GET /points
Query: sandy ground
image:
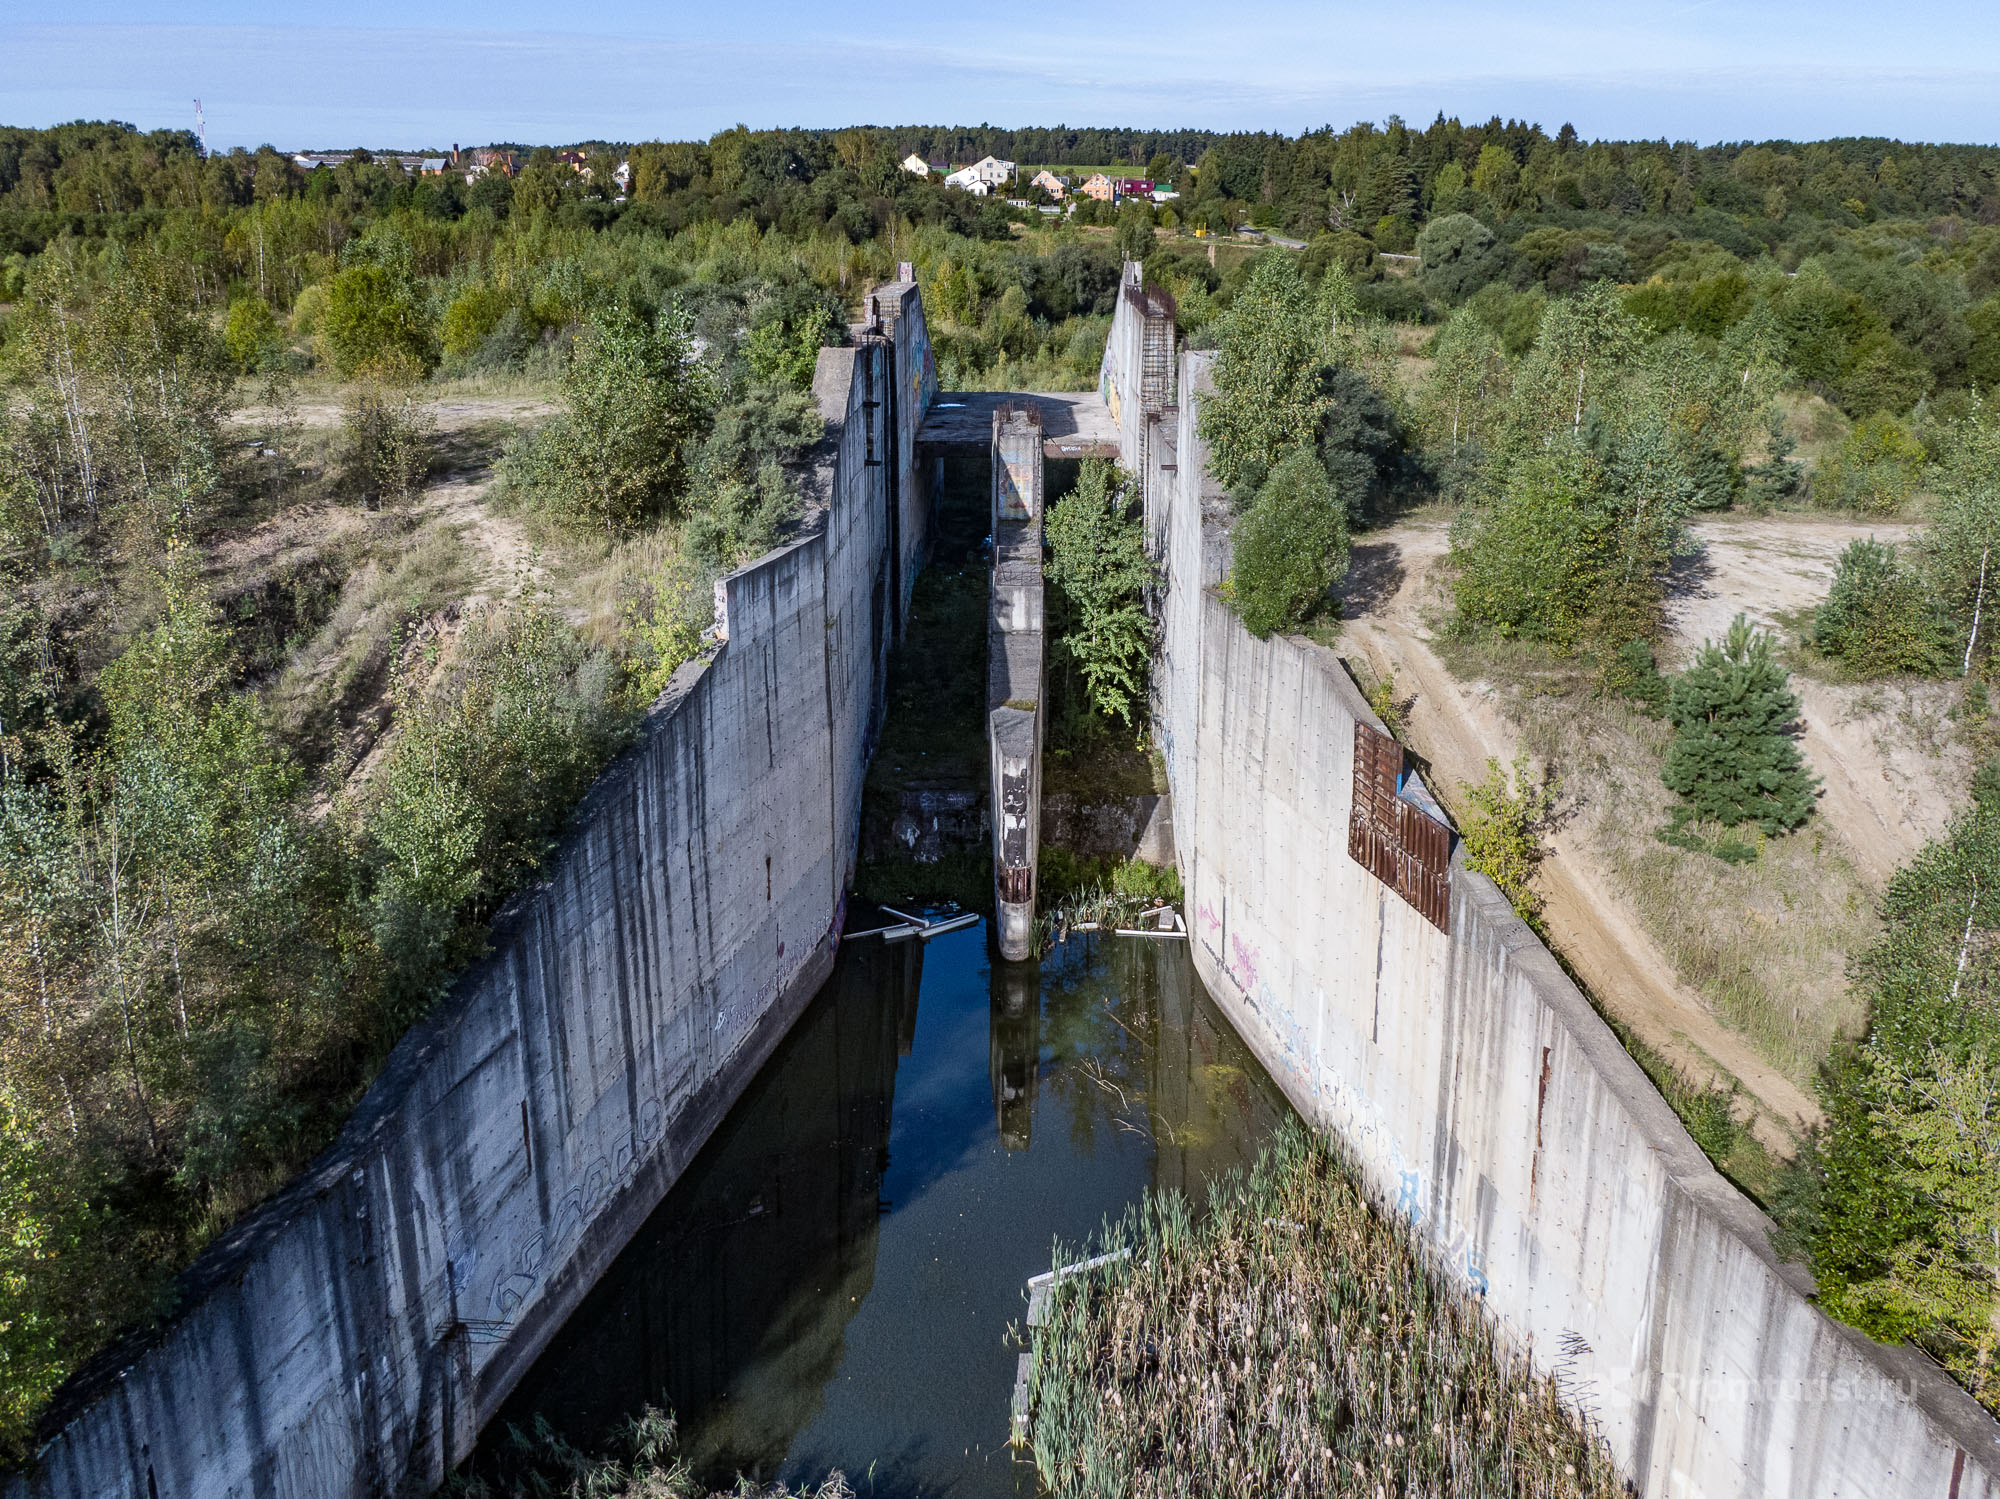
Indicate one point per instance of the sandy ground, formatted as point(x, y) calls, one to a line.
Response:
point(1890, 781)
point(500, 540)
point(450, 413)
point(1457, 726)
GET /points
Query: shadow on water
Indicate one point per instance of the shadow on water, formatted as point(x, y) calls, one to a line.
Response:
point(830, 1283)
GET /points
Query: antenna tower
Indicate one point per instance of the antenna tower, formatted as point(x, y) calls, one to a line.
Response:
point(201, 127)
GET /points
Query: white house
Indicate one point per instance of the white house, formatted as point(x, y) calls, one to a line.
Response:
point(916, 165)
point(992, 171)
point(982, 176)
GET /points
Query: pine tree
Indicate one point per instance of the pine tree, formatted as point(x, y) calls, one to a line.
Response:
point(1732, 758)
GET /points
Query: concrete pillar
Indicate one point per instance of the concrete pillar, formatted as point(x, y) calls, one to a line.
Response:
point(1014, 673)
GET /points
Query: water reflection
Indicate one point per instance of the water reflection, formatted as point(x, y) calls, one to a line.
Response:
point(1015, 1051)
point(830, 1283)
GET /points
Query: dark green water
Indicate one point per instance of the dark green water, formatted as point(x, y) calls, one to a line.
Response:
point(831, 1283)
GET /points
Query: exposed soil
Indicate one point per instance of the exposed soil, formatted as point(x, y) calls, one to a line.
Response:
point(451, 414)
point(1457, 726)
point(1891, 778)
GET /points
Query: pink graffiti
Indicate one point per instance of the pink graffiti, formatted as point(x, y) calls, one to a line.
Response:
point(1208, 917)
point(1246, 962)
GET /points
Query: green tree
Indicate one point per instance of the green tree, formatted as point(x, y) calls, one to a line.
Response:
point(1459, 256)
point(1732, 758)
point(372, 322)
point(250, 333)
point(634, 395)
point(1290, 547)
point(1465, 368)
point(1135, 230)
point(1959, 550)
point(1098, 559)
point(1881, 617)
point(1896, 1201)
point(1542, 562)
point(1269, 385)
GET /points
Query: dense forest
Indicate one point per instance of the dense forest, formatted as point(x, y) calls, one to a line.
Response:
point(283, 721)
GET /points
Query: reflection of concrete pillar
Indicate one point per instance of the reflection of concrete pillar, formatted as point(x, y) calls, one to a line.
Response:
point(1014, 671)
point(1014, 1056)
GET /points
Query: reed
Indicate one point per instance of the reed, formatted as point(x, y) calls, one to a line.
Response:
point(1289, 1341)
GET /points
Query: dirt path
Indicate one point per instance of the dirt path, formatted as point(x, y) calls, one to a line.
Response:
point(450, 413)
point(500, 540)
point(1457, 727)
point(1891, 780)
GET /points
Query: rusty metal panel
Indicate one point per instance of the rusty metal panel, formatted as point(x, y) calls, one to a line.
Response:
point(1394, 841)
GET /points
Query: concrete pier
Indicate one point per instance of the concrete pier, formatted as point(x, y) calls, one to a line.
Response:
point(1014, 672)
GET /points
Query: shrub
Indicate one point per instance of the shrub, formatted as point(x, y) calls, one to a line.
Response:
point(1732, 759)
point(1633, 673)
point(1540, 563)
point(372, 322)
point(1502, 831)
point(1881, 617)
point(743, 496)
point(250, 334)
point(492, 748)
point(786, 333)
point(471, 317)
point(1877, 468)
point(385, 444)
point(1290, 548)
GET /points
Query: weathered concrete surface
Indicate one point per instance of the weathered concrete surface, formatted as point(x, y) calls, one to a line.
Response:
point(1128, 827)
point(930, 820)
point(1483, 1097)
point(1014, 673)
point(351, 1336)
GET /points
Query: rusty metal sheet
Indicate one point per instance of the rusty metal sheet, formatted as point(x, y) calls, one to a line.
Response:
point(1392, 840)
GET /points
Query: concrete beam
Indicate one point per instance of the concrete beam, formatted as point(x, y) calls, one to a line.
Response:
point(1015, 653)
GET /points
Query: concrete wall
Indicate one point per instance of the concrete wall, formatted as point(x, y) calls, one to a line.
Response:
point(1489, 1104)
point(353, 1334)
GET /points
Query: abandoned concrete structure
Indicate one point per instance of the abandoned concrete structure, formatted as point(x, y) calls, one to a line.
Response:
point(351, 1336)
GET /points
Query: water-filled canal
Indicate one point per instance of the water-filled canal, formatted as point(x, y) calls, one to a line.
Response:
point(831, 1282)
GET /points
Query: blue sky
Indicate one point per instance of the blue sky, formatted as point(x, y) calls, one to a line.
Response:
point(392, 74)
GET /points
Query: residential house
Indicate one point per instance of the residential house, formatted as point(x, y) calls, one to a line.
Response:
point(916, 166)
point(1135, 187)
point(1101, 188)
point(992, 171)
point(1056, 187)
point(312, 160)
point(967, 179)
point(488, 160)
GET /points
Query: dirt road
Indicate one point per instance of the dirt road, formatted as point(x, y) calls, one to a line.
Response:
point(1457, 727)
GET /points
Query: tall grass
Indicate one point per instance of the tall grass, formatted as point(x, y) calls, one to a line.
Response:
point(1290, 1341)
